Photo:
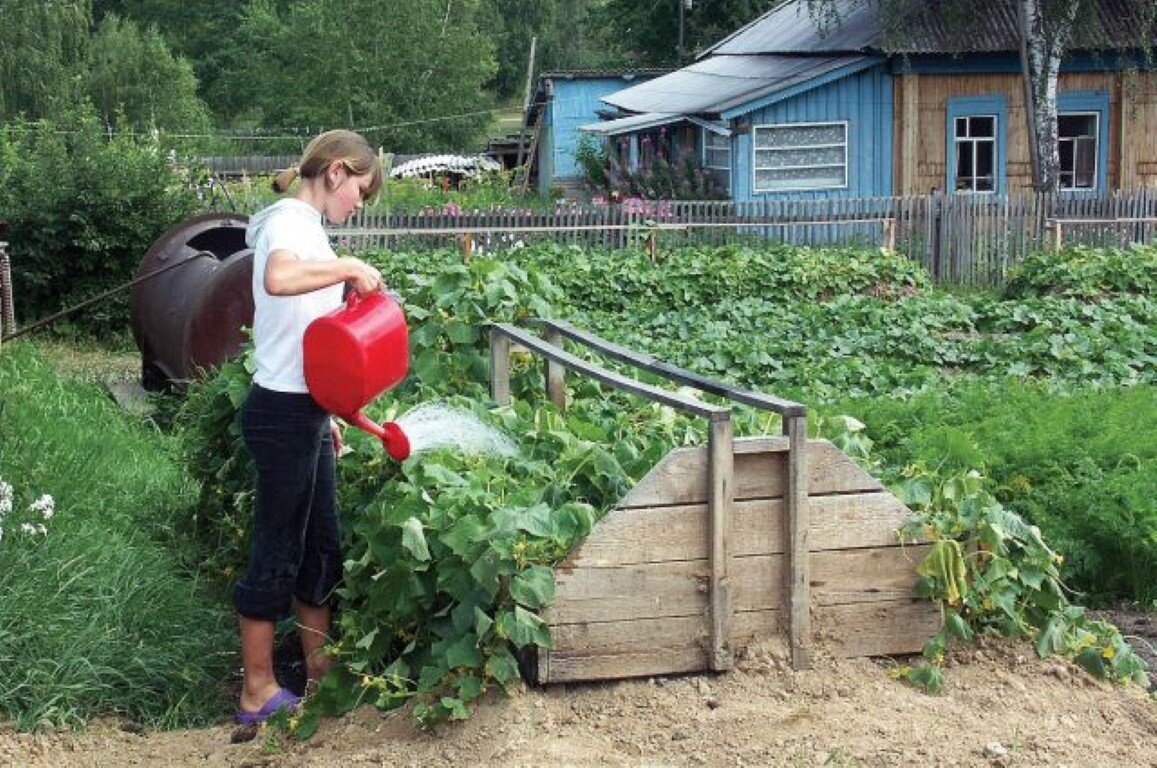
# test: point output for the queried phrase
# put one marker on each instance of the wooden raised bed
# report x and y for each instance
(722, 545)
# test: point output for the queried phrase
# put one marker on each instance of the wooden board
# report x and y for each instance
(678, 588)
(655, 534)
(760, 472)
(618, 649)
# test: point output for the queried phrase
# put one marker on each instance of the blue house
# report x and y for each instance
(562, 102)
(785, 107)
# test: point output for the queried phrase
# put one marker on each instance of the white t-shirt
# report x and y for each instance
(279, 322)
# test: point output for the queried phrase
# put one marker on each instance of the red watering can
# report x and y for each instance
(355, 353)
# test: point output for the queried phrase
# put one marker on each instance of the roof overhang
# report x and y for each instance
(632, 123)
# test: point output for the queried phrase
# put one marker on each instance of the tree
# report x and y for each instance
(1046, 30)
(132, 79)
(408, 73)
(45, 46)
(647, 33)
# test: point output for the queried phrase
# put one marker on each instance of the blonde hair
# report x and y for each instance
(350, 148)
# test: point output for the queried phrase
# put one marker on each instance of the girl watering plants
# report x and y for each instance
(295, 563)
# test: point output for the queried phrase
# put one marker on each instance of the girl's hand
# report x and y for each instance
(338, 443)
(363, 278)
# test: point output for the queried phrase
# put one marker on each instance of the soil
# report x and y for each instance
(1001, 706)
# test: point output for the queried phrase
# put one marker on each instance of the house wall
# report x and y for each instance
(575, 103)
(923, 101)
(863, 100)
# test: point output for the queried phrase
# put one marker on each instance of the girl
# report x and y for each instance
(295, 560)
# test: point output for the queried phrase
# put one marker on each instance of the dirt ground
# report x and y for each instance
(1001, 706)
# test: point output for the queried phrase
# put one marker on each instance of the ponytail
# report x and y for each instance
(282, 180)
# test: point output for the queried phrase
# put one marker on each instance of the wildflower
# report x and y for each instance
(45, 506)
(5, 498)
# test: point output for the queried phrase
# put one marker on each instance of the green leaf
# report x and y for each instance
(502, 666)
(414, 540)
(524, 628)
(534, 586)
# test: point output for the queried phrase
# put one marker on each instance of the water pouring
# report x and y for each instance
(354, 354)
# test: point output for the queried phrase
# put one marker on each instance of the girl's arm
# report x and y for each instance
(287, 275)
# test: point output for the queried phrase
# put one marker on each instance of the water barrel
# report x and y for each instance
(189, 319)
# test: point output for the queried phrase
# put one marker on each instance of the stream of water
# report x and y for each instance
(438, 425)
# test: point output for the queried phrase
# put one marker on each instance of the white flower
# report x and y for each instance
(41, 529)
(45, 506)
(27, 528)
(5, 498)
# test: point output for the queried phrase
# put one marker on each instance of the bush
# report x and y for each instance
(83, 209)
(1085, 273)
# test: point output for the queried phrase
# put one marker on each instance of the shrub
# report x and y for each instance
(1085, 273)
(83, 209)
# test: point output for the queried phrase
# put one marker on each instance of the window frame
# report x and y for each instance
(977, 106)
(726, 170)
(1096, 115)
(975, 142)
(755, 149)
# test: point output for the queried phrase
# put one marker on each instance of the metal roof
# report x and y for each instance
(631, 123)
(718, 83)
(922, 27)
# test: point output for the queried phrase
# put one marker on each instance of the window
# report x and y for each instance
(1077, 134)
(717, 158)
(974, 142)
(801, 156)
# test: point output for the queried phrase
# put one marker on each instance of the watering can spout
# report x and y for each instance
(394, 440)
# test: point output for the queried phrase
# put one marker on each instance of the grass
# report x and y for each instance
(97, 617)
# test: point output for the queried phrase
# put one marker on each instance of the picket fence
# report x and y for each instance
(959, 239)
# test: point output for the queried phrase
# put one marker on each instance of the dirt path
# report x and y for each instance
(1002, 706)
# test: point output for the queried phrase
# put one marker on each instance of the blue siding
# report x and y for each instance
(864, 102)
(574, 104)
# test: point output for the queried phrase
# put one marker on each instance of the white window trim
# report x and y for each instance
(994, 139)
(1096, 153)
(703, 157)
(754, 153)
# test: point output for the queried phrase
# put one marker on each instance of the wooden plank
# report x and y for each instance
(643, 647)
(720, 511)
(877, 629)
(796, 530)
(681, 478)
(656, 534)
(679, 588)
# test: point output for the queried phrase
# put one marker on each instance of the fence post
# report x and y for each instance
(499, 367)
(1057, 236)
(555, 374)
(890, 234)
(796, 524)
(7, 308)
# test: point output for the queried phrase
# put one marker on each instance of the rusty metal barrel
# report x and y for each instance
(190, 318)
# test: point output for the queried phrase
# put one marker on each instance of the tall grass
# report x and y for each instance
(97, 617)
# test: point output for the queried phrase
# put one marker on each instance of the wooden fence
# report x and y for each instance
(961, 239)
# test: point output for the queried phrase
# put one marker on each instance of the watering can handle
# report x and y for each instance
(353, 299)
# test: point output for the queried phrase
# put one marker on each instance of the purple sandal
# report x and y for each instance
(283, 699)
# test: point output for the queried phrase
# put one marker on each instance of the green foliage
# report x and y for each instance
(1085, 273)
(1081, 465)
(97, 618)
(990, 571)
(83, 210)
(45, 47)
(394, 65)
(134, 81)
(209, 422)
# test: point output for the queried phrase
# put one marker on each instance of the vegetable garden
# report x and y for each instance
(1019, 427)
